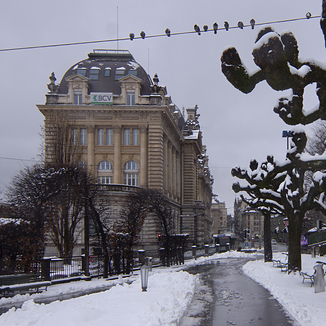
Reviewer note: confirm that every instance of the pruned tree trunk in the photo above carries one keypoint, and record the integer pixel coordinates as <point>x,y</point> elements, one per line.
<point>295,229</point>
<point>268,253</point>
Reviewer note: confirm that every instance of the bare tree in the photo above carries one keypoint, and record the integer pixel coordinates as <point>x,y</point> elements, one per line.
<point>131,221</point>
<point>97,210</point>
<point>279,187</point>
<point>29,195</point>
<point>277,57</point>
<point>160,206</point>
<point>72,189</point>
<point>62,145</point>
<point>52,199</point>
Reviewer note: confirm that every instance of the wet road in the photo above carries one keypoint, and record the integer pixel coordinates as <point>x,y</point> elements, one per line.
<point>226,296</point>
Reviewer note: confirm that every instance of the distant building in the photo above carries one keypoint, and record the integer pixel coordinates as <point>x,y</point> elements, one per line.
<point>247,222</point>
<point>253,223</point>
<point>219,218</point>
<point>239,207</point>
<point>124,127</point>
<point>279,228</point>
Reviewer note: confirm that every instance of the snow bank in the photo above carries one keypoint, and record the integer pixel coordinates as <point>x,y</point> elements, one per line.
<point>299,299</point>
<point>168,296</point>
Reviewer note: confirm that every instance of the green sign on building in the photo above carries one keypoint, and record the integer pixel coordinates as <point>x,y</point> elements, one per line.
<point>102,98</point>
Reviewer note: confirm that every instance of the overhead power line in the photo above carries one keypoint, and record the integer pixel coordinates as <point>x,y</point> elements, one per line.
<point>17,159</point>
<point>168,33</point>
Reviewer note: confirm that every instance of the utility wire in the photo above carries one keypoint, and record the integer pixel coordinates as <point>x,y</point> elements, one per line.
<point>17,159</point>
<point>308,16</point>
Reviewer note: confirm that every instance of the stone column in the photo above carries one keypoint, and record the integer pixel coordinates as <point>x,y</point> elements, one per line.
<point>143,156</point>
<point>117,155</point>
<point>90,149</point>
<point>165,164</point>
<point>170,168</point>
<point>174,174</point>
<point>177,175</point>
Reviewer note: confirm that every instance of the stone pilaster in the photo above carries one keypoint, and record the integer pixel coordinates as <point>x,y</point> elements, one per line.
<point>90,149</point>
<point>143,156</point>
<point>117,168</point>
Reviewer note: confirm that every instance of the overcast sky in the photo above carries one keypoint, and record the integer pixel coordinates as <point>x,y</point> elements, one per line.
<point>236,127</point>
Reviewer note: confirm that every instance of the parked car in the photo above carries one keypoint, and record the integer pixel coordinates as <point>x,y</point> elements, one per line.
<point>274,242</point>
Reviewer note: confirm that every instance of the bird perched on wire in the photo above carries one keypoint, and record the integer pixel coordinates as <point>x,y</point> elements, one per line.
<point>215,27</point>
<point>226,25</point>
<point>240,24</point>
<point>197,29</point>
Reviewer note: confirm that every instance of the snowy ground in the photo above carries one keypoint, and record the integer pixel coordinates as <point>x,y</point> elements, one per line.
<point>170,290</point>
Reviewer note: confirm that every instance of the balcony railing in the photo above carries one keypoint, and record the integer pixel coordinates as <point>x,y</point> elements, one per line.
<point>118,188</point>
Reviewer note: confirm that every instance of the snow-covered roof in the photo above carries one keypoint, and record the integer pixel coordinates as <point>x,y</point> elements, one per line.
<point>194,135</point>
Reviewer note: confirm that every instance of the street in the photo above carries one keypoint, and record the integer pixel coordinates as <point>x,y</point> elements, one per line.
<point>225,296</point>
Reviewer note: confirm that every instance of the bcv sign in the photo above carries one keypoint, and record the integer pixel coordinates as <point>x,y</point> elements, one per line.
<point>102,98</point>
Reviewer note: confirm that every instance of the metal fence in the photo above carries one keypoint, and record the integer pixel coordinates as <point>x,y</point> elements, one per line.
<point>64,268</point>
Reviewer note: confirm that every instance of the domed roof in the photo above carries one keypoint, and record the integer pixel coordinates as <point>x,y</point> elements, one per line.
<point>104,68</point>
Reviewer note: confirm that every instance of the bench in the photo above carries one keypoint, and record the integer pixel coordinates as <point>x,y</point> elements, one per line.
<point>284,267</point>
<point>306,276</point>
<point>27,283</point>
<point>279,264</point>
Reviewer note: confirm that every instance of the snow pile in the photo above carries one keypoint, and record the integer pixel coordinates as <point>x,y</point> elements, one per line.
<point>168,296</point>
<point>170,290</point>
<point>300,300</point>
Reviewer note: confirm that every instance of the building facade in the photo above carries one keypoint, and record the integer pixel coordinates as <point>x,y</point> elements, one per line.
<point>247,222</point>
<point>124,127</point>
<point>219,217</point>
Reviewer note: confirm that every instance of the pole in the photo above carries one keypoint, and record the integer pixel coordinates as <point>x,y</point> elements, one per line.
<point>86,239</point>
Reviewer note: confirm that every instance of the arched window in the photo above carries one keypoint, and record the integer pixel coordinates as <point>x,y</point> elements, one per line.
<point>131,170</point>
<point>105,165</point>
<point>104,172</point>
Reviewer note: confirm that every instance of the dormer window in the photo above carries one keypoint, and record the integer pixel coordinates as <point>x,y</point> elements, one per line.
<point>93,73</point>
<point>119,72</point>
<point>81,71</point>
<point>132,72</point>
<point>107,72</point>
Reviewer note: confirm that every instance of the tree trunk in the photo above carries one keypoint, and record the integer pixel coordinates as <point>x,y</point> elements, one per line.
<point>268,253</point>
<point>103,239</point>
<point>295,229</point>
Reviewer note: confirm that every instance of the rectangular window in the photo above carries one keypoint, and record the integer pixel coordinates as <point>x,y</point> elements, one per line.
<point>83,135</point>
<point>131,98</point>
<point>126,137</point>
<point>81,71</point>
<point>105,180</point>
<point>132,72</point>
<point>78,97</point>
<point>119,72</point>
<point>107,72</point>
<point>109,136</point>
<point>131,179</point>
<point>135,136</point>
<point>100,137</point>
<point>93,73</point>
<point>74,136</point>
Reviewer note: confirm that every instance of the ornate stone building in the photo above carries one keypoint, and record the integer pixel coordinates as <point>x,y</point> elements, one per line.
<point>248,222</point>
<point>124,127</point>
<point>219,217</point>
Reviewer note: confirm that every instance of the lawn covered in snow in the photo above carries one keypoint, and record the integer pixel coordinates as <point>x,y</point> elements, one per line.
<point>170,290</point>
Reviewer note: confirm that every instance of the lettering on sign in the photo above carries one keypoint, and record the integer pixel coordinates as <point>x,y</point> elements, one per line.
<point>102,98</point>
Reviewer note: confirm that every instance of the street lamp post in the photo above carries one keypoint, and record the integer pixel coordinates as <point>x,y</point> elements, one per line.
<point>287,134</point>
<point>144,277</point>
